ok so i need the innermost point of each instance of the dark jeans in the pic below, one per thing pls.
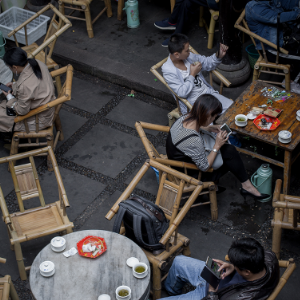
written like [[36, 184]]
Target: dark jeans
[[183, 9], [231, 162]]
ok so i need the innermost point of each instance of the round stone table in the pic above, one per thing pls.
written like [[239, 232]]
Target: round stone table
[[78, 278]]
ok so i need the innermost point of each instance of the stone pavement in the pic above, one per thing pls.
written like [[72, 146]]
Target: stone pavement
[[100, 155]]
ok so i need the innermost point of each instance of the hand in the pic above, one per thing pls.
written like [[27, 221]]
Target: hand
[[221, 139], [211, 289], [214, 128], [9, 84], [195, 69], [223, 50], [229, 268], [6, 93]]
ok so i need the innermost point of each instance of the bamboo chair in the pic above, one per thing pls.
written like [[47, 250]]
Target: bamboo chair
[[47, 133], [263, 65], [33, 223], [168, 198], [176, 113], [7, 289], [43, 53], [286, 215], [153, 154], [84, 6], [290, 267]]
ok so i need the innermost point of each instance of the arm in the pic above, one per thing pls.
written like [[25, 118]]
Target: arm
[[209, 63]]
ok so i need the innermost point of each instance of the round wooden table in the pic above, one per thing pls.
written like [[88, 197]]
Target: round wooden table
[[78, 277]]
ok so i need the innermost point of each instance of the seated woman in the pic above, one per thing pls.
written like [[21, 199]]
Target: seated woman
[[33, 88], [185, 143]]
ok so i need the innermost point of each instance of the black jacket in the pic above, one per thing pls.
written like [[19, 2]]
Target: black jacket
[[259, 289]]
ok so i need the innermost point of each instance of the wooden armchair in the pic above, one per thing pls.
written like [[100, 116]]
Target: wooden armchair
[[47, 133], [263, 65], [43, 53], [84, 6], [153, 154], [7, 289], [286, 215], [290, 267], [33, 223], [176, 113], [168, 199]]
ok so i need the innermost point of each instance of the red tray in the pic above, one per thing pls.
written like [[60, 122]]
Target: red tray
[[94, 240], [275, 122]]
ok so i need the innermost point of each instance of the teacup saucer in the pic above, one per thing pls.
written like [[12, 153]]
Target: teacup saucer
[[240, 125], [49, 275], [53, 249], [251, 116], [140, 276], [284, 141], [298, 118]]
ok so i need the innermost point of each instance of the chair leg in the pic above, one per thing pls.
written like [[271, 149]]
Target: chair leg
[[49, 163], [211, 32], [287, 81], [156, 278], [255, 73], [277, 230], [201, 23], [120, 9], [88, 20], [13, 293], [109, 10], [20, 261], [186, 251], [14, 149], [213, 205], [59, 128]]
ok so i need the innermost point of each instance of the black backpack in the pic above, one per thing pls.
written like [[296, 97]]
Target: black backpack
[[145, 223]]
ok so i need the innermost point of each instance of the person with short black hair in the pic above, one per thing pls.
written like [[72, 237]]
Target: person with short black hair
[[33, 89], [251, 274]]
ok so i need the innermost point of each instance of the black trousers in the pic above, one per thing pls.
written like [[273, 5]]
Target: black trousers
[[182, 10], [232, 162]]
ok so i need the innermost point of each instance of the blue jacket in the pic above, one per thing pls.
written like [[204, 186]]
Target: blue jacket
[[262, 18]]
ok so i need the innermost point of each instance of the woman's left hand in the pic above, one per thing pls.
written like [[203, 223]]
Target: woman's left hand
[[214, 128], [6, 93]]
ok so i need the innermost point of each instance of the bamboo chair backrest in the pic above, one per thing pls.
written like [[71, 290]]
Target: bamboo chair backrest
[[245, 28], [26, 181]]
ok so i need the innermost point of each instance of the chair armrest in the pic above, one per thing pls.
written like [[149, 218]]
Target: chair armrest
[[152, 126], [2, 260], [221, 78], [5, 213]]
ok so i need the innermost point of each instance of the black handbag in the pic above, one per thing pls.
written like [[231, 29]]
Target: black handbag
[[145, 223]]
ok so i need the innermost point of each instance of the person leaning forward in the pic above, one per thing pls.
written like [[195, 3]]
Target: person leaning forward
[[253, 274], [33, 89]]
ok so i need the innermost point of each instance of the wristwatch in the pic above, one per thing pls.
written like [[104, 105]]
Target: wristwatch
[[215, 150]]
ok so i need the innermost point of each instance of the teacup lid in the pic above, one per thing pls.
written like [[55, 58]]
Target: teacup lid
[[104, 297], [298, 113], [284, 134], [131, 261], [47, 266], [58, 241]]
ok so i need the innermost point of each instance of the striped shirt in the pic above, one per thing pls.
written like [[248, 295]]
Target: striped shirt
[[192, 147]]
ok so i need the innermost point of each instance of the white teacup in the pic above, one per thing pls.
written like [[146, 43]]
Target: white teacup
[[239, 122], [137, 274], [123, 287]]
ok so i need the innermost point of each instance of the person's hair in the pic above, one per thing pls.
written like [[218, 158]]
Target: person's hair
[[18, 57], [247, 254], [177, 42], [205, 106]]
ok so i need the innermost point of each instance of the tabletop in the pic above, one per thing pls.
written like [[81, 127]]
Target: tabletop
[[252, 97], [78, 277]]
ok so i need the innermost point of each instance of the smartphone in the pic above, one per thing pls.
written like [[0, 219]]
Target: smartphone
[[210, 273], [5, 88], [226, 128]]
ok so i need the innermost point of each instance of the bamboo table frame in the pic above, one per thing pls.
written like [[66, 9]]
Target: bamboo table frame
[[251, 97]]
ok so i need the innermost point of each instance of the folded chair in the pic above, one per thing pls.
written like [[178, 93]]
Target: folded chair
[[176, 113], [290, 267], [168, 199], [263, 65], [29, 224], [153, 154], [7, 289], [47, 134], [286, 215], [43, 53]]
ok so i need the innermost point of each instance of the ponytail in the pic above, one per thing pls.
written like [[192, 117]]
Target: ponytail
[[35, 67], [18, 57]]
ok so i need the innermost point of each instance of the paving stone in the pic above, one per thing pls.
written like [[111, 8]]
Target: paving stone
[[131, 110], [70, 124], [105, 150], [97, 219], [88, 96]]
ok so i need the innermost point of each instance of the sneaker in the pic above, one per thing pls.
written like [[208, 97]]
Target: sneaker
[[165, 25], [165, 43], [234, 140]]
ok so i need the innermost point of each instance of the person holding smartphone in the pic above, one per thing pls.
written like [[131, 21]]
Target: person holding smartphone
[[33, 88], [251, 274], [186, 142]]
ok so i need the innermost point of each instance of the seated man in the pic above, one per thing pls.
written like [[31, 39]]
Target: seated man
[[183, 71], [252, 274]]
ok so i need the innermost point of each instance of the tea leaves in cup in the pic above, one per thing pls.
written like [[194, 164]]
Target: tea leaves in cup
[[140, 269], [123, 293]]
